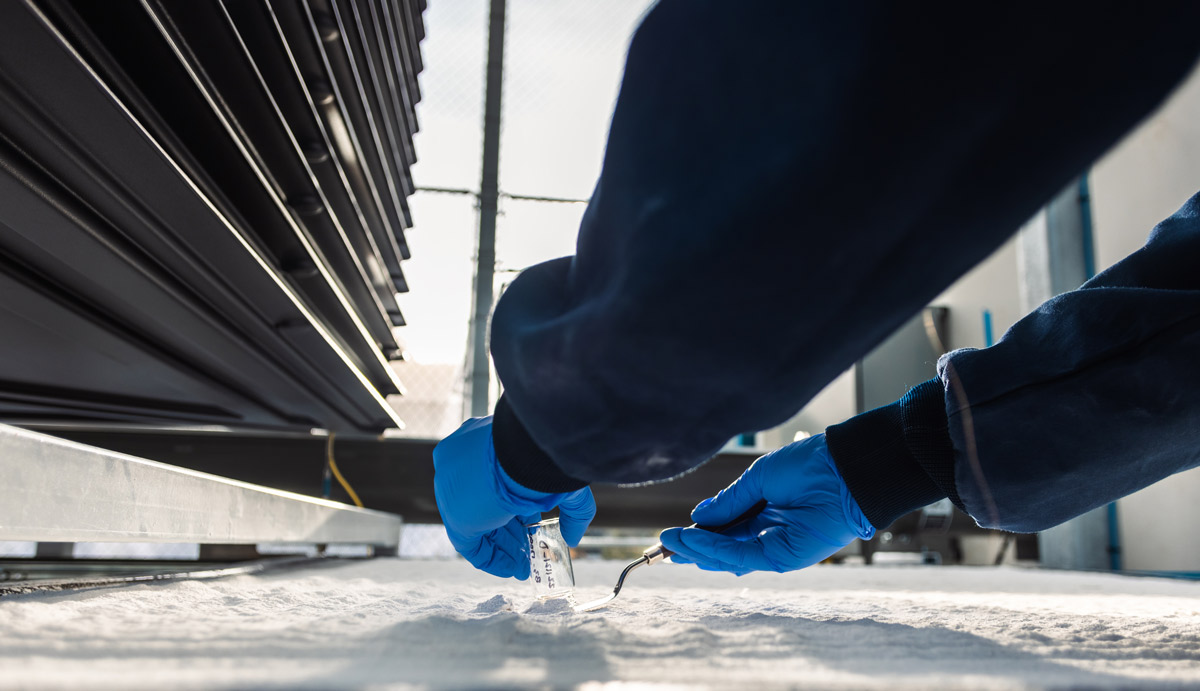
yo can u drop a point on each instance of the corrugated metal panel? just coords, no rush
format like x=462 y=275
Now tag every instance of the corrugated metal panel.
x=202 y=209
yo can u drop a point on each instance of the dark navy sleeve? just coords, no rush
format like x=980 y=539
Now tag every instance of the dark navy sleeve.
x=784 y=184
x=1094 y=395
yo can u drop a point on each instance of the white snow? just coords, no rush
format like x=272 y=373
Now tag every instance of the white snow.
x=440 y=624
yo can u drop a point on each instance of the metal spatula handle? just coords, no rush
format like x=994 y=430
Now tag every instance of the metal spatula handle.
x=658 y=552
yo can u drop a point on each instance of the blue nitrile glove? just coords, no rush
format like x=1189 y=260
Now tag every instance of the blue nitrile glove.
x=485 y=511
x=809 y=516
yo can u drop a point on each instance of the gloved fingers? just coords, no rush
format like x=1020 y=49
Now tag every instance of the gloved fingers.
x=510 y=558
x=472 y=424
x=486 y=556
x=466 y=437
x=529 y=518
x=770 y=517
x=744 y=531
x=575 y=514
x=731 y=502
x=710 y=548
x=672 y=539
x=717 y=567
x=493 y=552
x=519 y=537
x=669 y=538
x=708 y=565
x=799 y=546
x=721 y=567
x=680 y=559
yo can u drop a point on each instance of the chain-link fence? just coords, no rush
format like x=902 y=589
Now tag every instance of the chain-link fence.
x=425 y=541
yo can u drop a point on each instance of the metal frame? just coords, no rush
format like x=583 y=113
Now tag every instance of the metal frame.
x=119 y=225
x=390 y=474
x=480 y=375
x=125 y=45
x=205 y=40
x=63 y=491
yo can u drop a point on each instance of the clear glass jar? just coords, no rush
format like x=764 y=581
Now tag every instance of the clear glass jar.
x=550 y=569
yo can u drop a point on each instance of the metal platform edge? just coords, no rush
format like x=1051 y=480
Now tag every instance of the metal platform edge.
x=62 y=491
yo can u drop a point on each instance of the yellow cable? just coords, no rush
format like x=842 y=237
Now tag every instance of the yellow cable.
x=338 y=474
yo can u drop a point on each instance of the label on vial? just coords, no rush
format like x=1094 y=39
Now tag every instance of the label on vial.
x=541 y=568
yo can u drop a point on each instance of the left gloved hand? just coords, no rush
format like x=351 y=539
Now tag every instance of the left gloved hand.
x=810 y=515
x=485 y=511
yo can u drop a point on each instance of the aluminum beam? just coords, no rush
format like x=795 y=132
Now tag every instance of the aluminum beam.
x=62 y=491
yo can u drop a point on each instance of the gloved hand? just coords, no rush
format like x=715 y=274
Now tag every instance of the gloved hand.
x=809 y=516
x=485 y=511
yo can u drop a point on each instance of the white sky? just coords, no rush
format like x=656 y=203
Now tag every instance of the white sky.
x=563 y=63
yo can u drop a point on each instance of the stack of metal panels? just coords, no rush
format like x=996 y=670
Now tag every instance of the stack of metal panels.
x=203 y=209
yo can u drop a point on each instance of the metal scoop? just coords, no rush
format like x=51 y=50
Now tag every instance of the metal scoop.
x=657 y=553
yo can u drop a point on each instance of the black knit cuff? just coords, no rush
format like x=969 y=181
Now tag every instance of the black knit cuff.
x=897 y=458
x=523 y=459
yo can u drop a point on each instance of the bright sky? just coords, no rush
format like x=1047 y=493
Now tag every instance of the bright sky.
x=563 y=63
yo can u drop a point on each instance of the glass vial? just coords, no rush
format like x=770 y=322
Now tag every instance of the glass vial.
x=550 y=569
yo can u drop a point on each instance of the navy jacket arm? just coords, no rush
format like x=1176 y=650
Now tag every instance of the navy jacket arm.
x=785 y=183
x=1094 y=395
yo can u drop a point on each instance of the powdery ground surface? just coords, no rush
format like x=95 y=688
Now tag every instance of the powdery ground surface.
x=426 y=624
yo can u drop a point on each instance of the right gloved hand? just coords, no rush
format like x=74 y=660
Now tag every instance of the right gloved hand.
x=485 y=511
x=810 y=515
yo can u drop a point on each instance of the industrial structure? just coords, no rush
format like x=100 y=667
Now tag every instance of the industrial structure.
x=202 y=240
x=202 y=232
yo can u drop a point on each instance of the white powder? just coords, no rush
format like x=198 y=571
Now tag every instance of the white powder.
x=428 y=624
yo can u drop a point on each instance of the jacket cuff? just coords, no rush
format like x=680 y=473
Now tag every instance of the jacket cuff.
x=897 y=458
x=523 y=460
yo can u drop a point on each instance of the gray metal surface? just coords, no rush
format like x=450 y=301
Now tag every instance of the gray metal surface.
x=179 y=240
x=57 y=490
x=489 y=191
x=1053 y=249
x=1052 y=258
